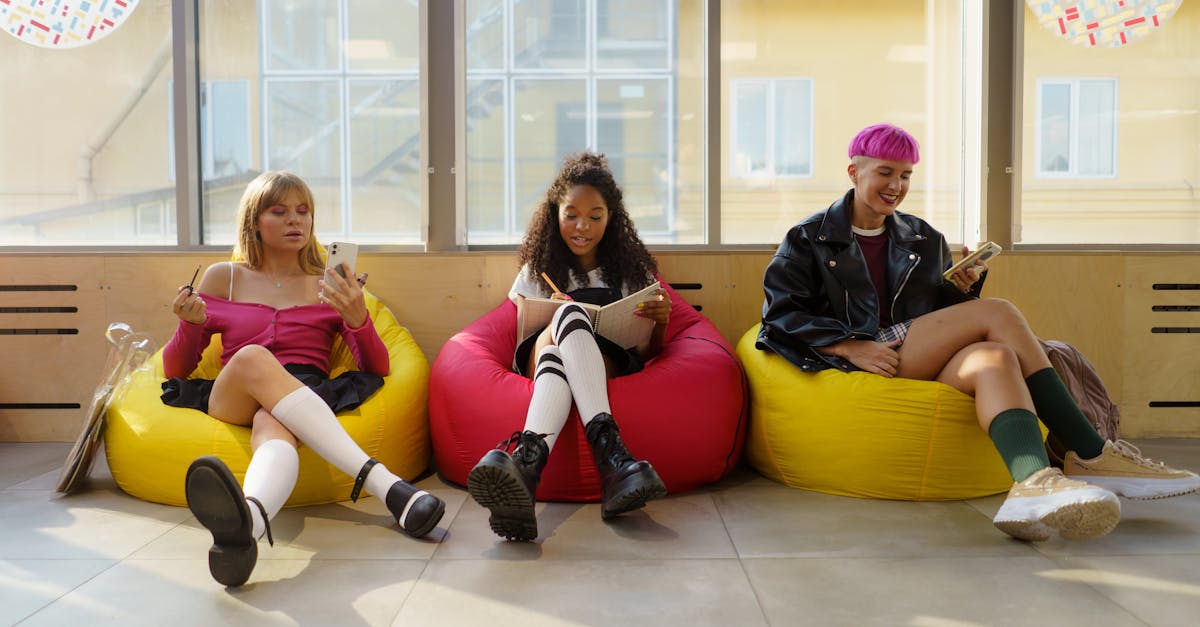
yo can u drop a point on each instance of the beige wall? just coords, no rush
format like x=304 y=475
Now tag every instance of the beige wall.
x=1100 y=303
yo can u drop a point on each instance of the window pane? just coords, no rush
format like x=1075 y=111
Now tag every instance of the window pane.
x=627 y=100
x=385 y=161
x=549 y=34
x=631 y=129
x=302 y=35
x=905 y=69
x=549 y=120
x=375 y=41
x=85 y=133
x=632 y=34
x=793 y=128
x=343 y=113
x=1135 y=132
x=1096 y=107
x=750 y=128
x=485 y=34
x=1056 y=128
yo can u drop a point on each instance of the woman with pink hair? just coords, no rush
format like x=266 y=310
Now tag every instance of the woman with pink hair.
x=859 y=286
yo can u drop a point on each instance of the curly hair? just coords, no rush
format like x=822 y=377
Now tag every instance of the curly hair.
x=623 y=259
x=265 y=191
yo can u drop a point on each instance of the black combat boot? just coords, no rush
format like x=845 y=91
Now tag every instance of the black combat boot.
x=507 y=484
x=627 y=483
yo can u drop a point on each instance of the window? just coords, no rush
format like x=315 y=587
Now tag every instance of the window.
x=1076 y=134
x=336 y=100
x=546 y=78
x=84 y=135
x=785 y=142
x=1110 y=146
x=224 y=129
x=772 y=127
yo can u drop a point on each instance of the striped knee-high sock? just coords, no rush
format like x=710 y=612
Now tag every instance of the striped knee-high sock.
x=551 y=402
x=582 y=360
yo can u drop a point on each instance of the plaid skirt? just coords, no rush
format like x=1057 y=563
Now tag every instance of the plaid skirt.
x=897 y=331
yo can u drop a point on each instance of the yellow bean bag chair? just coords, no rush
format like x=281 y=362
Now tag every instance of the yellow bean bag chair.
x=150 y=445
x=860 y=434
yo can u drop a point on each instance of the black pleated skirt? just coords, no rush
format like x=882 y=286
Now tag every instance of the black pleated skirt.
x=345 y=391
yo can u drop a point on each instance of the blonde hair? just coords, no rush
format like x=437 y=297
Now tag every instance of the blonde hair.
x=265 y=191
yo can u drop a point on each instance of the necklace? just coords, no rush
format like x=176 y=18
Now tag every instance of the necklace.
x=278 y=282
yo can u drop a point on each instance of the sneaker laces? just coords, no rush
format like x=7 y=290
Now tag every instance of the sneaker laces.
x=1126 y=449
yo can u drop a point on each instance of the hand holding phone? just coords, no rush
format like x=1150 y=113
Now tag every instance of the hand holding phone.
x=986 y=251
x=339 y=253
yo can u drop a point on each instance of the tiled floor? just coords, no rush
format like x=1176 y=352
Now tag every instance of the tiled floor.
x=746 y=551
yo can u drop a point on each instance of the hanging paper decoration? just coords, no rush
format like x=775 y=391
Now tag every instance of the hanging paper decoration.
x=63 y=23
x=1103 y=23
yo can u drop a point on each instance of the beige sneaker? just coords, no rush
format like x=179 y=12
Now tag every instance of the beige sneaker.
x=1122 y=469
x=1047 y=501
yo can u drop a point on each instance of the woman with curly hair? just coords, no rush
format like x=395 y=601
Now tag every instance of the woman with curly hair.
x=582 y=238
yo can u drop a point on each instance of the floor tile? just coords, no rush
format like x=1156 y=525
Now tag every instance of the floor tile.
x=934 y=591
x=582 y=592
x=90 y=525
x=280 y=592
x=28 y=585
x=773 y=520
x=22 y=461
x=686 y=526
x=1161 y=590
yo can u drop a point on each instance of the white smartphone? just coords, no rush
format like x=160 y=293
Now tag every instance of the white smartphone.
x=339 y=253
x=986 y=251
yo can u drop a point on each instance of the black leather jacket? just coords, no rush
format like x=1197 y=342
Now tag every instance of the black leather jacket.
x=819 y=292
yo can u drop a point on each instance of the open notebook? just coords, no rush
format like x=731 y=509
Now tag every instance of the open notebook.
x=615 y=321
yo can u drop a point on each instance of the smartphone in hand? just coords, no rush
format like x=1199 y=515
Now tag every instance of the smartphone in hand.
x=986 y=251
x=339 y=253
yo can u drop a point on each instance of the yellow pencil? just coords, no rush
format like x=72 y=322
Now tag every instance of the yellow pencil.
x=551 y=283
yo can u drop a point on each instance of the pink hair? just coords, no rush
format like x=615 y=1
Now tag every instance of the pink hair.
x=885 y=141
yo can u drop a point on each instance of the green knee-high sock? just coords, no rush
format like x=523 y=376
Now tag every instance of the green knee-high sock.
x=1062 y=415
x=1019 y=442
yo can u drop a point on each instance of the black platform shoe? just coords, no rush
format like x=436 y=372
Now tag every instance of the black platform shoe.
x=507 y=484
x=217 y=502
x=627 y=483
x=416 y=511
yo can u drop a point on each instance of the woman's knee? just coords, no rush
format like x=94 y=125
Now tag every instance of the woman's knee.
x=1001 y=310
x=568 y=319
x=266 y=427
x=988 y=356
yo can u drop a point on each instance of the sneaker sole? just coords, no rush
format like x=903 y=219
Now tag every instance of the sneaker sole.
x=1143 y=489
x=1074 y=521
x=215 y=499
x=633 y=493
x=496 y=488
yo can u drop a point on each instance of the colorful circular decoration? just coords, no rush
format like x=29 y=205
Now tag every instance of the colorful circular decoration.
x=63 y=23
x=1103 y=23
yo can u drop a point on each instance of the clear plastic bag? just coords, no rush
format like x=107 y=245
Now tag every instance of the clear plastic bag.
x=127 y=351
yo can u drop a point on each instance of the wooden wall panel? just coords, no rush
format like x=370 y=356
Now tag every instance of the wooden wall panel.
x=49 y=369
x=1100 y=303
x=1160 y=367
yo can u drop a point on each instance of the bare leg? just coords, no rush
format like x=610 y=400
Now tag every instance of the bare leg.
x=937 y=336
x=988 y=371
x=252 y=379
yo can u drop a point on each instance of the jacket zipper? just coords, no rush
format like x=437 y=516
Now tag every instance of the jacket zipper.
x=896 y=296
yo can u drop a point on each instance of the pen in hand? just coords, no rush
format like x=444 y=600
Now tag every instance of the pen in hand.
x=191 y=290
x=554 y=287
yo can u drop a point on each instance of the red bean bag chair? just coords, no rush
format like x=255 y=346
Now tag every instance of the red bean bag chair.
x=685 y=412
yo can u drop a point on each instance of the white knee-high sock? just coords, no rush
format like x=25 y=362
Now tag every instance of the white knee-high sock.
x=311 y=420
x=551 y=402
x=270 y=478
x=582 y=360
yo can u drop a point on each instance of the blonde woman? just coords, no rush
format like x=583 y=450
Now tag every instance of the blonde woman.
x=278 y=312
